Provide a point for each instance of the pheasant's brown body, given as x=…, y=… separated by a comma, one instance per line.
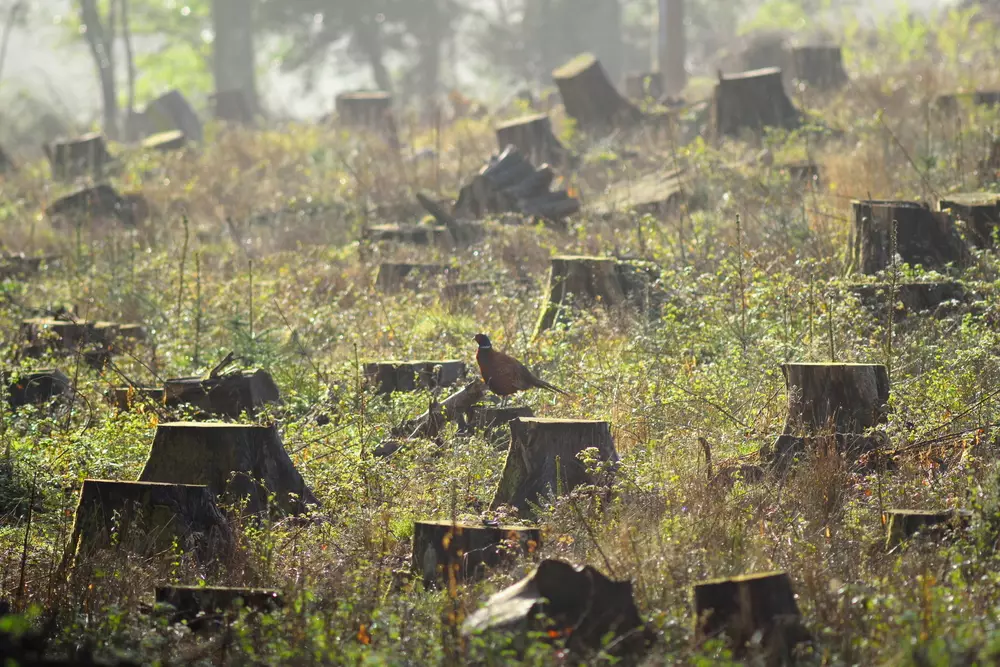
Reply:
x=503, y=374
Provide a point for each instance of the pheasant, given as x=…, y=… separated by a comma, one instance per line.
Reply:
x=504, y=375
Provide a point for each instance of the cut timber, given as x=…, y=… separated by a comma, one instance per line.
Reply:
x=127, y=398
x=904, y=524
x=148, y=519
x=923, y=236
x=169, y=112
x=582, y=281
x=238, y=462
x=533, y=137
x=579, y=606
x=368, y=109
x=395, y=276
x=423, y=235
x=542, y=458
x=444, y=551
x=392, y=376
x=83, y=156
x=819, y=66
x=591, y=99
x=839, y=401
x=34, y=387
x=751, y=609
x=165, y=142
x=99, y=201
x=938, y=299
x=191, y=601
x=233, y=106
x=751, y=101
x=980, y=211
x=227, y=395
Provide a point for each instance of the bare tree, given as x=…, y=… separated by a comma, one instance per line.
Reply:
x=100, y=36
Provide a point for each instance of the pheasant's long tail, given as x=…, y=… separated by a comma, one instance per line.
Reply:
x=542, y=384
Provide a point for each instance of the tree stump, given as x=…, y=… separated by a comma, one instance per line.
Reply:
x=34, y=387
x=590, y=97
x=371, y=110
x=821, y=67
x=147, y=518
x=238, y=462
x=83, y=156
x=582, y=281
x=225, y=395
x=165, y=142
x=904, y=524
x=444, y=551
x=938, y=299
x=421, y=235
x=923, y=236
x=542, y=458
x=644, y=86
x=755, y=608
x=980, y=211
x=751, y=101
x=191, y=602
x=580, y=606
x=172, y=112
x=42, y=333
x=839, y=401
x=125, y=399
x=489, y=418
x=393, y=277
x=393, y=376
x=233, y=106
x=532, y=135
x=96, y=202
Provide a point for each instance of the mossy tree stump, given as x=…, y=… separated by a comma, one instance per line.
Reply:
x=582, y=281
x=751, y=101
x=147, y=518
x=591, y=98
x=172, y=112
x=980, y=211
x=827, y=400
x=393, y=376
x=81, y=156
x=904, y=524
x=923, y=236
x=750, y=609
x=238, y=462
x=821, y=67
x=542, y=458
x=444, y=551
x=533, y=136
x=34, y=387
x=225, y=395
x=396, y=276
x=189, y=602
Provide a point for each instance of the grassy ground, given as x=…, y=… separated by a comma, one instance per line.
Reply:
x=254, y=247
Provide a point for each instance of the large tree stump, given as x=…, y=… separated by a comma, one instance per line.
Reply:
x=751, y=609
x=923, y=236
x=542, y=458
x=751, y=101
x=169, y=112
x=396, y=276
x=838, y=401
x=370, y=110
x=238, y=462
x=147, y=519
x=532, y=135
x=34, y=387
x=226, y=395
x=591, y=98
x=938, y=299
x=42, y=333
x=96, y=202
x=393, y=376
x=904, y=524
x=197, y=604
x=980, y=211
x=582, y=281
x=444, y=551
x=819, y=66
x=83, y=156
x=579, y=606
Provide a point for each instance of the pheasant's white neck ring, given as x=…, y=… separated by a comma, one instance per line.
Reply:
x=485, y=347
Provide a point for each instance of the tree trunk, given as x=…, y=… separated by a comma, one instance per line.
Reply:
x=369, y=35
x=591, y=98
x=238, y=462
x=923, y=236
x=980, y=211
x=101, y=43
x=234, y=53
x=752, y=101
x=672, y=47
x=446, y=552
x=129, y=59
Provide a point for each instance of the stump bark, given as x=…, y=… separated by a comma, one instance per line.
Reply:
x=394, y=277
x=542, y=459
x=393, y=376
x=904, y=524
x=83, y=156
x=923, y=236
x=191, y=601
x=579, y=606
x=172, y=112
x=751, y=101
x=583, y=281
x=750, y=609
x=225, y=395
x=34, y=387
x=147, y=518
x=532, y=136
x=980, y=211
x=840, y=401
x=238, y=462
x=444, y=551
x=819, y=66
x=591, y=98
x=370, y=110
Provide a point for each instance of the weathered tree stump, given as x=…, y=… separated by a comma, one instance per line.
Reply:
x=238, y=462
x=755, y=608
x=532, y=136
x=542, y=458
x=579, y=606
x=939, y=299
x=172, y=112
x=83, y=156
x=370, y=110
x=422, y=235
x=980, y=211
x=396, y=276
x=125, y=399
x=819, y=66
x=751, y=101
x=34, y=387
x=233, y=106
x=393, y=376
x=591, y=98
x=147, y=519
x=444, y=551
x=96, y=202
x=923, y=236
x=582, y=281
x=226, y=394
x=839, y=401
x=644, y=86
x=904, y=524
x=209, y=602
x=165, y=142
